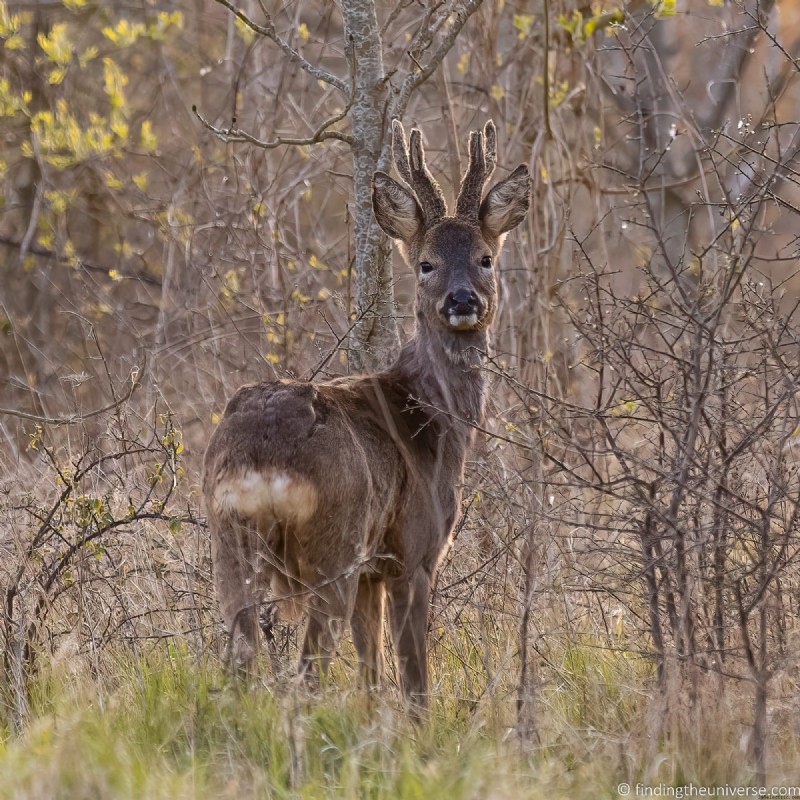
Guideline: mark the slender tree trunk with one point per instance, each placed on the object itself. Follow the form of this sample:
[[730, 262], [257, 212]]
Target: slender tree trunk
[[527, 690], [374, 342]]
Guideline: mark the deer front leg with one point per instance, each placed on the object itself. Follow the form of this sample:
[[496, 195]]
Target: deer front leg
[[409, 601], [235, 579], [367, 627]]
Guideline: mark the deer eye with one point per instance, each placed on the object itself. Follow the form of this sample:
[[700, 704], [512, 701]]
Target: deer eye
[[425, 267], [486, 261]]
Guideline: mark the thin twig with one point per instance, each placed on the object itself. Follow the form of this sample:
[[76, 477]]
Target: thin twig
[[269, 31], [137, 373], [320, 135], [546, 75], [416, 79]]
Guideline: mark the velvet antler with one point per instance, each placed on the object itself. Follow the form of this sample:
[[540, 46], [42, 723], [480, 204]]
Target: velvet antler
[[410, 163]]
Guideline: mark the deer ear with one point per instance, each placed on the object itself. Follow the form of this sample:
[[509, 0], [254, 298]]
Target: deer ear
[[507, 203], [396, 208]]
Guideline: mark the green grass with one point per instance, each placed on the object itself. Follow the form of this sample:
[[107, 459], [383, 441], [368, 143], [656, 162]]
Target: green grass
[[170, 726]]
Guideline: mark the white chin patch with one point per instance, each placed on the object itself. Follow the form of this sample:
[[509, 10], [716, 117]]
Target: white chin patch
[[462, 322]]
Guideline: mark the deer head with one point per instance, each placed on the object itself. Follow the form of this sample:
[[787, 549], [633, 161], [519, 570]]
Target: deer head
[[452, 256]]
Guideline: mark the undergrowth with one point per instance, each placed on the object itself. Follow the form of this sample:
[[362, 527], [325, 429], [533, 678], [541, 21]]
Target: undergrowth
[[171, 725]]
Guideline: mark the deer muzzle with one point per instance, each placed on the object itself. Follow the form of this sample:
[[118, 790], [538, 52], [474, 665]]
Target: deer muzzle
[[462, 309]]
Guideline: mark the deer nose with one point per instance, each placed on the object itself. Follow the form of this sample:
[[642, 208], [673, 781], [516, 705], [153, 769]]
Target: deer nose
[[462, 301]]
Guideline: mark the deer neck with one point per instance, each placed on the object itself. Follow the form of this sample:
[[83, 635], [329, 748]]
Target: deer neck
[[442, 371]]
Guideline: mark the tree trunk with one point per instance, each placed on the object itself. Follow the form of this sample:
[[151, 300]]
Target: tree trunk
[[374, 341]]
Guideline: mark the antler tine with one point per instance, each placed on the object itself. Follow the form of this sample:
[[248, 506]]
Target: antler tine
[[400, 151], [490, 136], [482, 161], [411, 166]]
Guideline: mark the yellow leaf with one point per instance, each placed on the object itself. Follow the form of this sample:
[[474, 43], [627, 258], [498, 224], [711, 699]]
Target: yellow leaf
[[273, 358], [664, 8], [125, 33], [157, 30], [498, 93], [231, 279], [114, 274], [115, 81], [141, 180], [57, 46], [626, 409], [15, 42], [463, 62], [112, 181], [523, 23], [303, 31], [87, 55], [315, 262], [57, 200], [57, 161], [147, 138], [245, 31], [215, 418], [56, 76], [9, 23], [70, 254], [120, 129]]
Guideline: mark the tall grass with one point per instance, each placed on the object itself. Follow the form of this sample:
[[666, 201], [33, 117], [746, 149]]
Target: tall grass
[[171, 725]]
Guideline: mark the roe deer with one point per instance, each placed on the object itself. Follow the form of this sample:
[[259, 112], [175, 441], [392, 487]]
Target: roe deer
[[333, 496]]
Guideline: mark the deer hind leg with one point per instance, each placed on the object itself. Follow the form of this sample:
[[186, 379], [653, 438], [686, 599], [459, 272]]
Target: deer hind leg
[[367, 627], [330, 605], [232, 554], [409, 601]]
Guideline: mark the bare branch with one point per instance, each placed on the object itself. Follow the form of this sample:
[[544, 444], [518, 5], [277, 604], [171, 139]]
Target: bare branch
[[269, 31], [416, 79], [137, 373], [322, 133]]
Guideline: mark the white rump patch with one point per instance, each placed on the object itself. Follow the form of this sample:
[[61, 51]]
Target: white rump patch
[[268, 494]]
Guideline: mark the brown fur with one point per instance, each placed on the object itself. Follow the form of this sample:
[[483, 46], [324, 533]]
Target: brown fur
[[330, 498]]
